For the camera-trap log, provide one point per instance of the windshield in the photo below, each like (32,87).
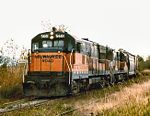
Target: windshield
(58,43)
(47,44)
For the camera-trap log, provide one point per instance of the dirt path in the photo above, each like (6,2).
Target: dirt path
(136,93)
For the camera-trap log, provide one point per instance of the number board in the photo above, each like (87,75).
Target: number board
(60,36)
(44,36)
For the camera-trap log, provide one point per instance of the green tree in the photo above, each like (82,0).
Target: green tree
(147,63)
(141,63)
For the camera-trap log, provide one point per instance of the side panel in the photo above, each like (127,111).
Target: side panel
(80,68)
(132,67)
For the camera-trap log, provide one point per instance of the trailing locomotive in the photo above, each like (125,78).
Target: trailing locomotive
(60,64)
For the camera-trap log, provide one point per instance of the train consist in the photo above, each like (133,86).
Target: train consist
(60,64)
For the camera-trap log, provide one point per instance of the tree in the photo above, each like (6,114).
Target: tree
(10,52)
(147,63)
(140,59)
(141,63)
(148,58)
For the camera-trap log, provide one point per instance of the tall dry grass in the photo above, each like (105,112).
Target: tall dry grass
(11,82)
(122,99)
(131,100)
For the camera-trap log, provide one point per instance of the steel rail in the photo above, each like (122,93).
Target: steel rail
(20,104)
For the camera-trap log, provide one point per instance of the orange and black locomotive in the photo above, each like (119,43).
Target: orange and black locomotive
(60,64)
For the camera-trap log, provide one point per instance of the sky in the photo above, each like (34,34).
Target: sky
(115,23)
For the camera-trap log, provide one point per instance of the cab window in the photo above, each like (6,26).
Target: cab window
(58,43)
(35,46)
(47,44)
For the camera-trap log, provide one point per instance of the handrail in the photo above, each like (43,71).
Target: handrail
(68,68)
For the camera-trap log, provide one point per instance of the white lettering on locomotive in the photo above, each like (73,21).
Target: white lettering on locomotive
(44,36)
(60,36)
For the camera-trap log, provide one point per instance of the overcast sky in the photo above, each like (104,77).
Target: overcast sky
(116,23)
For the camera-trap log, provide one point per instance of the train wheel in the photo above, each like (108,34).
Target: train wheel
(126,77)
(75,87)
(112,80)
(102,82)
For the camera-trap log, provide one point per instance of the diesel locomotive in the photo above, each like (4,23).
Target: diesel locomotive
(60,64)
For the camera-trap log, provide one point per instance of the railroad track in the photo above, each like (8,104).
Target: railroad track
(20,104)
(33,102)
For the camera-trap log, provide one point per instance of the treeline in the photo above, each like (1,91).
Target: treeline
(142,65)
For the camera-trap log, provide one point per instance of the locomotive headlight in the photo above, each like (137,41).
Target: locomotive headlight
(58,52)
(51,37)
(51,33)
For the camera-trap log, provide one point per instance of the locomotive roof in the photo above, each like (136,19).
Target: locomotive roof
(82,40)
(37,37)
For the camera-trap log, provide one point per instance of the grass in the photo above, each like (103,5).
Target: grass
(138,103)
(57,106)
(10,83)
(83,100)
(131,108)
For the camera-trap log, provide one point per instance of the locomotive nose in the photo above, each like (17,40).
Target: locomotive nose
(47,62)
(49,75)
